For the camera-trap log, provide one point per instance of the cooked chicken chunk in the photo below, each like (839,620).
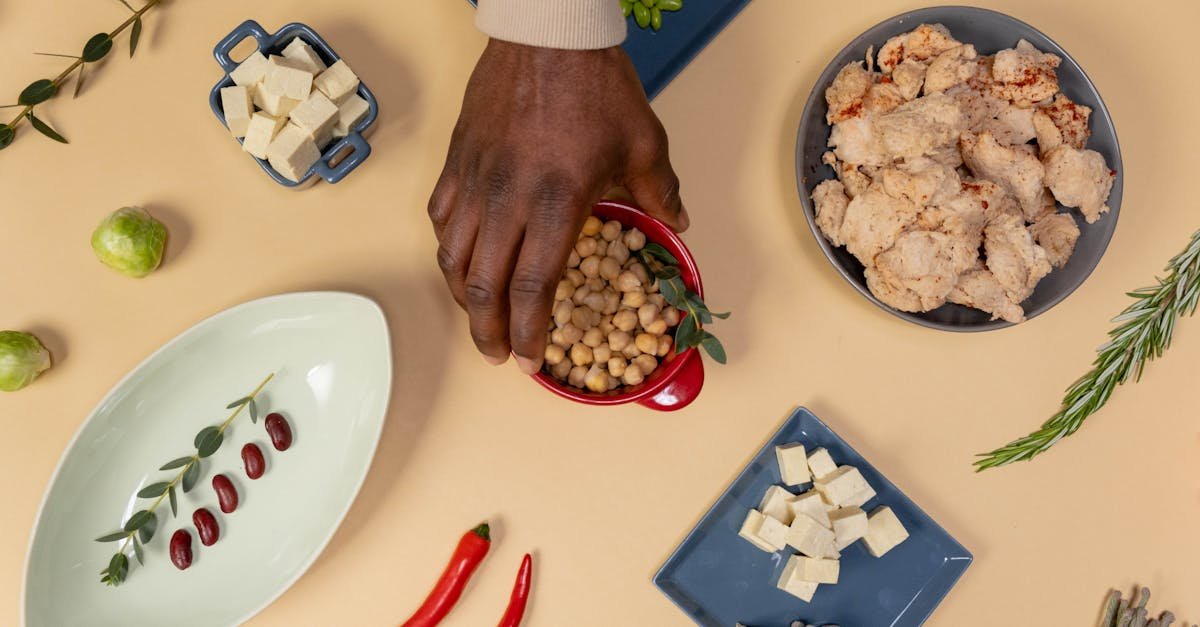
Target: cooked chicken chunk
(873,221)
(908,77)
(1017,262)
(919,128)
(883,98)
(1080,179)
(830,200)
(1057,234)
(950,68)
(921,181)
(976,107)
(921,264)
(1071,119)
(1017,171)
(979,288)
(845,95)
(1024,75)
(855,141)
(923,43)
(1012,126)
(1047,133)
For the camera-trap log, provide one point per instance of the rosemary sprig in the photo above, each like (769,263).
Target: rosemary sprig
(1143,333)
(691,332)
(140,526)
(41,90)
(1132,612)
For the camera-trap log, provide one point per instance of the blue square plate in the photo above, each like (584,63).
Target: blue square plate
(660,56)
(719,579)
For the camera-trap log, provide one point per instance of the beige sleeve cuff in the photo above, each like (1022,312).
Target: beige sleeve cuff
(565,24)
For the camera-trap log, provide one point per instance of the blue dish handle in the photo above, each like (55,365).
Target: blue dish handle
(249,28)
(333,174)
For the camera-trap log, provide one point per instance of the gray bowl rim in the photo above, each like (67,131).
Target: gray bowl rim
(1100,115)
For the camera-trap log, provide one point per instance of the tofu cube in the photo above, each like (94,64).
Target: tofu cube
(884,531)
(775,504)
(791,582)
(751,527)
(261,131)
(811,538)
(303,53)
(251,71)
(773,533)
(849,525)
(338,82)
(277,105)
(316,116)
(237,106)
(793,464)
(841,486)
(860,498)
(292,152)
(287,77)
(350,113)
(820,463)
(818,570)
(812,505)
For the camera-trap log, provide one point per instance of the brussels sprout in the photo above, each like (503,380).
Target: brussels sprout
(22,359)
(130,241)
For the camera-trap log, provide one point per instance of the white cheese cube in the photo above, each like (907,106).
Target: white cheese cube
(841,486)
(350,113)
(292,153)
(820,463)
(316,116)
(277,105)
(791,582)
(860,498)
(261,131)
(884,531)
(849,525)
(750,528)
(811,538)
(287,77)
(812,505)
(237,107)
(793,465)
(775,504)
(338,82)
(773,533)
(303,53)
(250,71)
(817,570)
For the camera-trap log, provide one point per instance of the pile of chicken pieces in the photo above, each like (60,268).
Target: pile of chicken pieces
(948,167)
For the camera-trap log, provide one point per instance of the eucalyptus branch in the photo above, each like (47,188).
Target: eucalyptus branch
(140,526)
(691,332)
(1143,333)
(39,91)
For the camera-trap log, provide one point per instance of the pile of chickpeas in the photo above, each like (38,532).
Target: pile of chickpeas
(610,325)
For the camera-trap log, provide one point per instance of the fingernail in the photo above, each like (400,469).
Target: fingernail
(528,366)
(684,220)
(495,361)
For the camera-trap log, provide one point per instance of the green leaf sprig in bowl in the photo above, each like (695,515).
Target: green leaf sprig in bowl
(691,332)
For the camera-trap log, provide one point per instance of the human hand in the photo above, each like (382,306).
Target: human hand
(542,135)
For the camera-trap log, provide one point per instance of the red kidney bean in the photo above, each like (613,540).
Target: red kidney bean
(252,459)
(227,495)
(280,431)
(181,549)
(206,526)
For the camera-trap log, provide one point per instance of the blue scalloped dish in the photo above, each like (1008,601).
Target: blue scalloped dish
(339,158)
(719,579)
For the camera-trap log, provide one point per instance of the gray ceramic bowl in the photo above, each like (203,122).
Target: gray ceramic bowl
(990,32)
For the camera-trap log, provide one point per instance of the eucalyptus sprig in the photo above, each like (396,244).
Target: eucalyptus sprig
(1143,333)
(41,90)
(691,332)
(140,527)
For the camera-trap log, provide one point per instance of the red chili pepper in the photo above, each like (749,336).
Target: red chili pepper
(471,549)
(520,594)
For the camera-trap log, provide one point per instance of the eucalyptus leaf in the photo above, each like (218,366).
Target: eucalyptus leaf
(713,347)
(135,34)
(137,550)
(178,462)
(666,273)
(723,315)
(118,568)
(113,537)
(190,477)
(208,441)
(139,518)
(174,505)
(146,532)
(685,334)
(97,47)
(660,253)
(673,291)
(79,81)
(45,129)
(6,136)
(153,490)
(37,92)
(239,402)
(253,411)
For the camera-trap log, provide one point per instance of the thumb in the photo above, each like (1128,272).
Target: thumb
(656,190)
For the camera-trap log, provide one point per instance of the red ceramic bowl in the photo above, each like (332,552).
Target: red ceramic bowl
(678,379)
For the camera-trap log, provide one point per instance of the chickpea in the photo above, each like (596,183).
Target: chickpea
(627,281)
(619,251)
(611,230)
(647,313)
(555,354)
(593,337)
(586,247)
(575,277)
(581,317)
(664,345)
(657,299)
(570,335)
(594,301)
(616,366)
(581,292)
(612,302)
(635,239)
(577,376)
(610,268)
(590,266)
(581,354)
(672,316)
(647,343)
(574,259)
(562,312)
(634,299)
(625,320)
(562,369)
(606,325)
(592,226)
(618,340)
(641,273)
(564,290)
(596,380)
(632,375)
(657,327)
(596,284)
(631,350)
(601,353)
(645,363)
(601,248)
(557,337)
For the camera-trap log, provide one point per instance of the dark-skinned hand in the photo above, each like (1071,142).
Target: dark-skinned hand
(542,136)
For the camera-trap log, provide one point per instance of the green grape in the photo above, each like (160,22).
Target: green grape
(655,18)
(627,7)
(670,5)
(641,14)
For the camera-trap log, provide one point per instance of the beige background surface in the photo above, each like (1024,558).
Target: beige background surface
(602,496)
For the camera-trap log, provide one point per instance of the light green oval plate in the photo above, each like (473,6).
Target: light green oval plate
(332,362)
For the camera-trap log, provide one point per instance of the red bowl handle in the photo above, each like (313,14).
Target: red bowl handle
(683,389)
